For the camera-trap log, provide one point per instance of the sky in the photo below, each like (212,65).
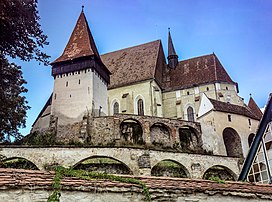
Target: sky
(239,32)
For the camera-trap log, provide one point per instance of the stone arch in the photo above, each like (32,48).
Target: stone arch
(139,99)
(18,163)
(103,164)
(250,139)
(131,131)
(170,168)
(189,139)
(232,143)
(160,134)
(222,172)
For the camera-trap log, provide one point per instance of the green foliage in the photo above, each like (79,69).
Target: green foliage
(168,164)
(41,139)
(13,106)
(81,174)
(18,163)
(20,37)
(20,32)
(217,179)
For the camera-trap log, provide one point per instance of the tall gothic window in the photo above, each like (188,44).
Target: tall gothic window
(116,108)
(190,114)
(140,106)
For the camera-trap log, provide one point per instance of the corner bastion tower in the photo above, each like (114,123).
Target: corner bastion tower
(80,78)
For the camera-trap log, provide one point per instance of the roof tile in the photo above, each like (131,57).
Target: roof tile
(132,64)
(81,42)
(231,108)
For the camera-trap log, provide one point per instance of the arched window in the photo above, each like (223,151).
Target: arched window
(140,107)
(190,114)
(116,108)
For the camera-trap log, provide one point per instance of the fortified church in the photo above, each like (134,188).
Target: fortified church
(139,98)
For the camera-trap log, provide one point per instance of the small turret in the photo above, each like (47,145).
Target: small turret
(172,56)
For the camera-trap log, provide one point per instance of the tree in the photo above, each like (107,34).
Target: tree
(13,105)
(21,37)
(20,32)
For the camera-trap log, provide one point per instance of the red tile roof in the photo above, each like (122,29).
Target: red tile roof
(254,108)
(30,179)
(196,71)
(81,42)
(231,108)
(132,64)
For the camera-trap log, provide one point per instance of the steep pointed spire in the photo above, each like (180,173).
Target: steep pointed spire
(172,56)
(254,108)
(81,42)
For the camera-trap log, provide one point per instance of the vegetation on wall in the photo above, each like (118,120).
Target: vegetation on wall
(61,172)
(41,139)
(18,163)
(104,165)
(168,168)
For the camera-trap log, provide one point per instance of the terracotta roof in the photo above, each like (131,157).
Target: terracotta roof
(81,42)
(197,71)
(30,179)
(231,108)
(132,64)
(254,108)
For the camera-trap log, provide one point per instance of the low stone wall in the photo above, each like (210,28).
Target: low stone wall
(25,185)
(139,161)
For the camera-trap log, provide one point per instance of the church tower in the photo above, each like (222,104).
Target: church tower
(172,56)
(80,78)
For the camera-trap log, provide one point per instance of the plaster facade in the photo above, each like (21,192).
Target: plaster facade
(78,93)
(214,123)
(127,97)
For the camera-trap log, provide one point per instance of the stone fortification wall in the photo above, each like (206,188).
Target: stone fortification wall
(127,130)
(143,130)
(25,185)
(138,161)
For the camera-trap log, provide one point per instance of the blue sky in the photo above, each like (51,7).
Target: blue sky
(239,32)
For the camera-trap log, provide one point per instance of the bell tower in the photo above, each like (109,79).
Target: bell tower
(80,78)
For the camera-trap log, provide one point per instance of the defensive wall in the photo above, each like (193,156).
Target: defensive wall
(138,161)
